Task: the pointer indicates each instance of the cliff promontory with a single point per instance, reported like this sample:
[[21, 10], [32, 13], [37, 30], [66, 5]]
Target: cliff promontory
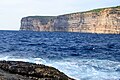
[[104, 20]]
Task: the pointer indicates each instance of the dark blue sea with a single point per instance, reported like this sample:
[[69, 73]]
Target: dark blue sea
[[81, 56]]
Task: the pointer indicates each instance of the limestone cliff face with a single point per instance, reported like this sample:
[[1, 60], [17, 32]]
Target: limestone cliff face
[[37, 23], [105, 20]]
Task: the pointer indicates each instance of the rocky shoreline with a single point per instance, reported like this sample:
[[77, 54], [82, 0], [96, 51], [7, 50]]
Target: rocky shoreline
[[18, 70]]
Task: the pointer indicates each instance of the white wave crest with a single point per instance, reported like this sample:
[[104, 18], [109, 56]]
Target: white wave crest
[[80, 69]]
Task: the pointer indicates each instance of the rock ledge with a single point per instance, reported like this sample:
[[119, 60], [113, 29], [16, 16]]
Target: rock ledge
[[17, 70]]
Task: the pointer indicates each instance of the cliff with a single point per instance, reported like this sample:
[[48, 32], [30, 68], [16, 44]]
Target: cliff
[[16, 70], [104, 20]]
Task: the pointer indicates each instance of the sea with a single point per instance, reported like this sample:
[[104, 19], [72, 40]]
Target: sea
[[82, 56]]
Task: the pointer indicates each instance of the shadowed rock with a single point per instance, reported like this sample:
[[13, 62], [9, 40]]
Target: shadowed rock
[[17, 70]]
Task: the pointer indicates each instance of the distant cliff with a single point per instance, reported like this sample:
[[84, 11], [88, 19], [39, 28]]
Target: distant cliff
[[104, 20]]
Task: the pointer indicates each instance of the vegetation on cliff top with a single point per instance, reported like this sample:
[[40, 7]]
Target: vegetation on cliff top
[[117, 7], [53, 17], [94, 10], [43, 17], [98, 10]]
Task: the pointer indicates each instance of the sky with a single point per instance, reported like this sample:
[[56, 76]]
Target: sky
[[11, 11]]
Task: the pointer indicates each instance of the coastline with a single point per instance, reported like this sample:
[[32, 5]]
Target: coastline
[[18, 70]]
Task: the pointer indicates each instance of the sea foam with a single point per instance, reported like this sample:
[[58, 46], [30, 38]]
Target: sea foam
[[80, 69]]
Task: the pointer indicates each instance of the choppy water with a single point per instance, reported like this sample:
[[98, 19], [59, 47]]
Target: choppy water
[[79, 55]]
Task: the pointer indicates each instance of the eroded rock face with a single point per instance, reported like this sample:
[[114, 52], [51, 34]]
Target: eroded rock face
[[105, 20], [12, 70]]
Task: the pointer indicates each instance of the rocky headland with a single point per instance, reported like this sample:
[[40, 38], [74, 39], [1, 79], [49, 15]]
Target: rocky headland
[[17, 70], [104, 20]]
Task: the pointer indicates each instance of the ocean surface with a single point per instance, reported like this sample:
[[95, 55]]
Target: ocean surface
[[81, 56]]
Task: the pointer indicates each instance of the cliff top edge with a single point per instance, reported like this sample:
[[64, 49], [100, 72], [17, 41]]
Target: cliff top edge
[[52, 17]]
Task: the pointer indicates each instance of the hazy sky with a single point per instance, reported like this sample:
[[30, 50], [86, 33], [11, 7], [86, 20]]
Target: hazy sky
[[11, 11]]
